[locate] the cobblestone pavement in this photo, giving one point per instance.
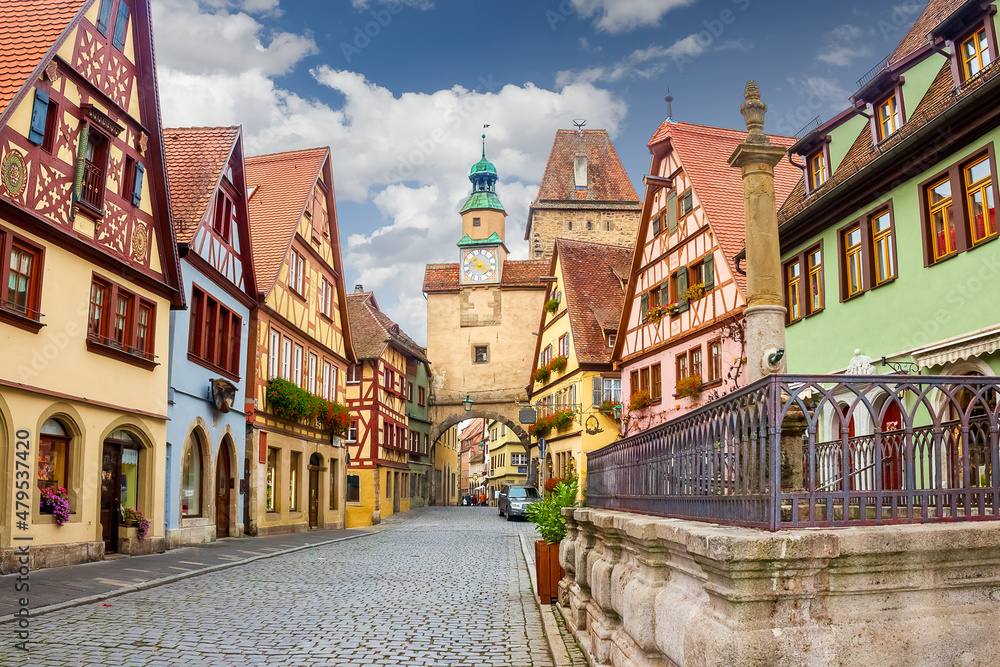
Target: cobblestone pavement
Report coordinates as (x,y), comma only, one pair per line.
(435,586)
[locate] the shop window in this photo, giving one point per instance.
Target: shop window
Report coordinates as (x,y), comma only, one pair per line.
(353,489)
(334,484)
(271,499)
(54,457)
(191,480)
(294,489)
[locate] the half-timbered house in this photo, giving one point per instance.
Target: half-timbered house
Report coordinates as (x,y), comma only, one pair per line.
(680,336)
(83,376)
(381,443)
(298,334)
(206,434)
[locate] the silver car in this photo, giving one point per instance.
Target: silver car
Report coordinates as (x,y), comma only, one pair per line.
(513,500)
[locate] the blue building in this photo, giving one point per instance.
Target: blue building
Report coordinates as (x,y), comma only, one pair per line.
(206,494)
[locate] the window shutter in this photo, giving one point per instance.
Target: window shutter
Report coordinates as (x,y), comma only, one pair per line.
(656,226)
(688,203)
(644,307)
(137,188)
(104,17)
(709,271)
(121,23)
(598,386)
(682,285)
(672,212)
(39,114)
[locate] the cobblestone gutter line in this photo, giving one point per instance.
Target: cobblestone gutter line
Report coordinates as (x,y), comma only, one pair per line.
(557,646)
(154,583)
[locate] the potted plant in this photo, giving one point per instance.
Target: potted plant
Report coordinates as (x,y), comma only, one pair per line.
(552,305)
(542,374)
(55,501)
(334,417)
(655,313)
(695,292)
(640,400)
(688,386)
(607,407)
(541,427)
(131,517)
(558,364)
(672,308)
(563,418)
(551,526)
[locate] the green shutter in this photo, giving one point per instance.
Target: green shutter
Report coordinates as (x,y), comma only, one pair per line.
(688,203)
(656,226)
(644,305)
(672,212)
(682,285)
(709,271)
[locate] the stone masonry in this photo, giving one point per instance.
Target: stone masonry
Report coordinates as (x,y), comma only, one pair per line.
(548,224)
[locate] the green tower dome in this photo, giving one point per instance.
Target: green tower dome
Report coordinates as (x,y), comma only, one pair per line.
(484,179)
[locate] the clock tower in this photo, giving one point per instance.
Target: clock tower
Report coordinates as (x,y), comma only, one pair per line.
(482,251)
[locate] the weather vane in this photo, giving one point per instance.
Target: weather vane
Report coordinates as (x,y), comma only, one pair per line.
(579,123)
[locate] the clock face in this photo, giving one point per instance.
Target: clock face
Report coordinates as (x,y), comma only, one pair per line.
(480,265)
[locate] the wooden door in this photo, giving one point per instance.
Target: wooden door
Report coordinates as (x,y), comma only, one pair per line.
(313,497)
(395,492)
(223,493)
(111,469)
(245,490)
(892,449)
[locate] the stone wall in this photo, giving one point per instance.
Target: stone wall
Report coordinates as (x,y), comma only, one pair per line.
(549,224)
(651,592)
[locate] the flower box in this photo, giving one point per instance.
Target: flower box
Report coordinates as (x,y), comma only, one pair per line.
(695,292)
(640,400)
(689,386)
(552,305)
(542,374)
(558,364)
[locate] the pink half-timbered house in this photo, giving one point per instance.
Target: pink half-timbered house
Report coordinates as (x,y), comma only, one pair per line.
(680,339)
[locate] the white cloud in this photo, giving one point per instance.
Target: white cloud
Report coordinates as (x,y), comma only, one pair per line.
(618,16)
(406,152)
(845,44)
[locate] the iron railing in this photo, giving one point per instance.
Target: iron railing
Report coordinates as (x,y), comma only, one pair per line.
(873,72)
(93,185)
(794,451)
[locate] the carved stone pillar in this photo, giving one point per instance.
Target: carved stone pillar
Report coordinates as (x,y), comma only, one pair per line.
(765,313)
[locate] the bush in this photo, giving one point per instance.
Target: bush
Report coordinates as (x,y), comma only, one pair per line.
(547,514)
(552,483)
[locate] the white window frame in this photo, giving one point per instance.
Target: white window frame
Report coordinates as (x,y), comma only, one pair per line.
(313,363)
(274,353)
(286,359)
(297,367)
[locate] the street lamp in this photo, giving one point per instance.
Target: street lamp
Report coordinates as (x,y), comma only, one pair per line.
(468,403)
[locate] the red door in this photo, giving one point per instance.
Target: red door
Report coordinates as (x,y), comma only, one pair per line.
(892,449)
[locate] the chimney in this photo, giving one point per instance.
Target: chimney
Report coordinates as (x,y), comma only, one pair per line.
(359,289)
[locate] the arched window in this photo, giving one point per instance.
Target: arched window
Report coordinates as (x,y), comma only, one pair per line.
(590,225)
(129,475)
(54,456)
(191,480)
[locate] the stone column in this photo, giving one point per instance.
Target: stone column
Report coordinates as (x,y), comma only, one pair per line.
(765,313)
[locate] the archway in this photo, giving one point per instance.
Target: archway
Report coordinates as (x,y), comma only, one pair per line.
(224,483)
(442,425)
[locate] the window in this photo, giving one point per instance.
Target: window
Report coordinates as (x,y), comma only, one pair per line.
(286,359)
(293,482)
(569,225)
(656,383)
(656,226)
(694,357)
(313,363)
(687,202)
(53,456)
(889,117)
(215,333)
(222,223)
(354,374)
(296,273)
(634,381)
(682,366)
(590,226)
(611,340)
(644,308)
(352,431)
(519,459)
(120,321)
(563,345)
(979,200)
(409,392)
(644,379)
(353,489)
(334,478)
(388,484)
(191,480)
(421,396)
(24,274)
(95,164)
(612,389)
(326,298)
(975,54)
(476,222)
(882,243)
(714,360)
(942,218)
(814,260)
(297,368)
(481,354)
(121,26)
(817,169)
(272,479)
(793,290)
(51,127)
(329,381)
(104,17)
(852,261)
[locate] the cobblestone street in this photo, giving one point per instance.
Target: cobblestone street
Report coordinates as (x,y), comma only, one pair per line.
(435,586)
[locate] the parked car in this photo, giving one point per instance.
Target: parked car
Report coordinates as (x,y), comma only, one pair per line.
(513,500)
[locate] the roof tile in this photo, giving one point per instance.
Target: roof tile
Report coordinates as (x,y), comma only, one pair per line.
(607,179)
(516,273)
(371,329)
(196,158)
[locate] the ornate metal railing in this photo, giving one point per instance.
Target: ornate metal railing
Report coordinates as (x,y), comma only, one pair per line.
(795,451)
(873,72)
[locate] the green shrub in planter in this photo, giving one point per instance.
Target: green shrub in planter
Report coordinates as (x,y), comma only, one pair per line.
(547,514)
(543,374)
(558,364)
(552,305)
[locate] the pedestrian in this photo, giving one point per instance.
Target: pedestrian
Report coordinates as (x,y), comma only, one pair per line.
(482,499)
(468,500)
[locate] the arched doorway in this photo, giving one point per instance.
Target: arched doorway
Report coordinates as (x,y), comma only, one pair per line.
(223,492)
(119,483)
(315,465)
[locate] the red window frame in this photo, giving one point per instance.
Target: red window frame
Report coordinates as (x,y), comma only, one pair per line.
(215,334)
(421,396)
(26,316)
(125,340)
(222,222)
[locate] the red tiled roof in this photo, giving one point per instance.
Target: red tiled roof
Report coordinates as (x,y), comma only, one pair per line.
(28,29)
(516,273)
(594,294)
(283,182)
(195,158)
(607,179)
(916,38)
(705,151)
(372,330)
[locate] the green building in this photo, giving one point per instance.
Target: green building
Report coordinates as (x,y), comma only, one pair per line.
(418,419)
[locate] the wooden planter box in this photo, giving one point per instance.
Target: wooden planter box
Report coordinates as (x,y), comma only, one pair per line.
(548,571)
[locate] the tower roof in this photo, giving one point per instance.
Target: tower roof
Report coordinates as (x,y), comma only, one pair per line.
(484,178)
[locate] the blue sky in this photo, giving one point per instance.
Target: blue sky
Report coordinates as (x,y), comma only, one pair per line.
(401,90)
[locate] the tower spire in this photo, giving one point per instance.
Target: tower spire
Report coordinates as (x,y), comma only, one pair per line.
(669,99)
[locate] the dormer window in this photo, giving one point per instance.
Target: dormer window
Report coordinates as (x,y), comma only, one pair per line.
(817,169)
(889,118)
(975,54)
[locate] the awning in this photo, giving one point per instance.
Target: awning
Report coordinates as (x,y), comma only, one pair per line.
(977,344)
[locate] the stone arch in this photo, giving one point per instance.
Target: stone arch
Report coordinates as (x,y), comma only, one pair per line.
(7,438)
(440,426)
(197,430)
(73,423)
(228,445)
(147,491)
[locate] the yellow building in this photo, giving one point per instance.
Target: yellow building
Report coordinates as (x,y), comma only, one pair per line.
(508,462)
(83,374)
(572,381)
(444,491)
(379,443)
(296,471)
